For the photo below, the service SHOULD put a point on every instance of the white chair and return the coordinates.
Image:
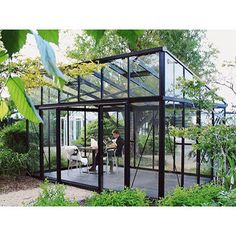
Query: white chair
(111, 155)
(75, 158)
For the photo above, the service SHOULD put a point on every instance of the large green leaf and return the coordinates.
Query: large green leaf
(49, 61)
(96, 34)
(3, 56)
(3, 109)
(49, 35)
(13, 40)
(131, 36)
(22, 101)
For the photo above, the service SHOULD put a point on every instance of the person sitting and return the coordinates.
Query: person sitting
(119, 143)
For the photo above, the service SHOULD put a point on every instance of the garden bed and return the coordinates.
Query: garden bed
(11, 184)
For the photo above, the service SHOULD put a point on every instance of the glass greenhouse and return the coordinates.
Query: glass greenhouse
(134, 93)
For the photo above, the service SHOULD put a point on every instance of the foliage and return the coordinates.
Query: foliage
(205, 195)
(49, 35)
(12, 163)
(23, 102)
(227, 198)
(149, 144)
(14, 137)
(3, 109)
(188, 45)
(81, 69)
(196, 90)
(217, 142)
(13, 41)
(53, 195)
(126, 197)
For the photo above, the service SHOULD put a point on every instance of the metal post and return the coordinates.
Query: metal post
(102, 83)
(68, 126)
(41, 97)
(134, 133)
(212, 161)
(49, 144)
(198, 159)
(153, 140)
(41, 160)
(100, 148)
(161, 176)
(79, 81)
(183, 148)
(128, 81)
(85, 129)
(58, 144)
(127, 146)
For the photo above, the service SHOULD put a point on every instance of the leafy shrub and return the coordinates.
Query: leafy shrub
(227, 198)
(206, 195)
(149, 144)
(126, 197)
(53, 195)
(12, 163)
(14, 137)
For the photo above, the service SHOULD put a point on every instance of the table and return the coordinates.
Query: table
(90, 150)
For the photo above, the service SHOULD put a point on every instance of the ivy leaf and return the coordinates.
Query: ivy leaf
(3, 109)
(49, 61)
(22, 101)
(96, 34)
(131, 36)
(13, 40)
(3, 56)
(49, 35)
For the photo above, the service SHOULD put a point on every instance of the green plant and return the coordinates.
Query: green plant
(149, 144)
(53, 195)
(14, 137)
(195, 196)
(126, 197)
(12, 163)
(218, 143)
(227, 198)
(12, 41)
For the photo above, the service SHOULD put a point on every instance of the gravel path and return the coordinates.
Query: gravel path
(25, 196)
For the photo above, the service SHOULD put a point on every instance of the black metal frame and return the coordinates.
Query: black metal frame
(101, 104)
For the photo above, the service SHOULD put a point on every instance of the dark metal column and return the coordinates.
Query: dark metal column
(128, 81)
(68, 127)
(100, 148)
(153, 140)
(58, 144)
(127, 146)
(182, 148)
(41, 156)
(198, 159)
(161, 176)
(212, 161)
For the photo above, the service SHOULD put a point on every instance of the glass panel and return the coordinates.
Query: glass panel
(90, 87)
(113, 157)
(34, 148)
(70, 92)
(173, 71)
(173, 146)
(77, 129)
(35, 94)
(50, 95)
(145, 143)
(144, 77)
(115, 79)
